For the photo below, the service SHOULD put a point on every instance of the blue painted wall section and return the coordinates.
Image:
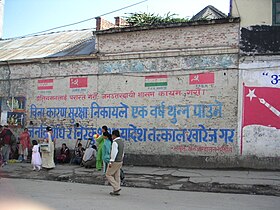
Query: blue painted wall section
(125, 111)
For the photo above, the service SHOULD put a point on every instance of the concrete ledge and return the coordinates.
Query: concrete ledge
(169, 53)
(204, 162)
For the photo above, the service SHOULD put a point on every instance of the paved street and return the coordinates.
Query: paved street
(222, 181)
(73, 196)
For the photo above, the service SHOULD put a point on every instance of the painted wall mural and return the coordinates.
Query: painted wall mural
(261, 113)
(153, 108)
(13, 111)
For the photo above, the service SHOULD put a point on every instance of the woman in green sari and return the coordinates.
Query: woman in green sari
(100, 142)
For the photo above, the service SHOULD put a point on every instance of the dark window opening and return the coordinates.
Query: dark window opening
(276, 12)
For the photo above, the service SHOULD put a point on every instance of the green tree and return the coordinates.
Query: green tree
(143, 19)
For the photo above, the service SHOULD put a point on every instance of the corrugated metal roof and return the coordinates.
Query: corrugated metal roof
(66, 43)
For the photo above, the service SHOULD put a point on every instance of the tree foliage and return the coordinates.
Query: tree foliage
(143, 19)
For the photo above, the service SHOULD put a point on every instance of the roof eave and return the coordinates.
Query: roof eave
(49, 59)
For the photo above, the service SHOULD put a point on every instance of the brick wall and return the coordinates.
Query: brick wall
(120, 22)
(102, 24)
(192, 37)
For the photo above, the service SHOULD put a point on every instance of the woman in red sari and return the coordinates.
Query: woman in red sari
(24, 145)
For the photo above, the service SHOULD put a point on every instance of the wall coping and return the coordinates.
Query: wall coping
(168, 25)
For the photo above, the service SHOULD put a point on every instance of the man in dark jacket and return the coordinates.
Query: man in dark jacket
(115, 164)
(6, 135)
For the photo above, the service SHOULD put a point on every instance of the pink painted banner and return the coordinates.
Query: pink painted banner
(79, 82)
(45, 84)
(202, 78)
(156, 77)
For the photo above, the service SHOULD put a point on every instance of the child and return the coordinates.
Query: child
(36, 160)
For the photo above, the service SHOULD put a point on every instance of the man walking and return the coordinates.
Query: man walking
(115, 164)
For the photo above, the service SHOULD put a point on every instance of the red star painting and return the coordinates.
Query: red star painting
(261, 106)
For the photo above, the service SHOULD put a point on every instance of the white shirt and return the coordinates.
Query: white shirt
(114, 150)
(89, 154)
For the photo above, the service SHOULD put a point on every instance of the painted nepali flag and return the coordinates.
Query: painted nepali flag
(78, 82)
(45, 84)
(261, 106)
(202, 78)
(156, 80)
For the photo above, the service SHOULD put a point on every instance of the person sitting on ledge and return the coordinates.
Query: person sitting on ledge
(78, 154)
(64, 156)
(89, 158)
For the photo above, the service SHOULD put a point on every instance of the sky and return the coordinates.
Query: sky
(25, 17)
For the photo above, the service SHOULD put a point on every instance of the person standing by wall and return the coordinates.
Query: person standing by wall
(100, 142)
(106, 150)
(24, 145)
(48, 155)
(6, 135)
(115, 164)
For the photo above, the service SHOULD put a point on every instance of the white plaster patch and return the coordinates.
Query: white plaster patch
(263, 77)
(261, 141)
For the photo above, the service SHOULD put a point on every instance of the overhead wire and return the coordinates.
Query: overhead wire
(237, 9)
(82, 21)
